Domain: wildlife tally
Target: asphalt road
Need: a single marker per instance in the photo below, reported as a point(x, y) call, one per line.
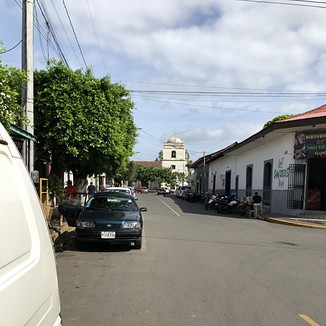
point(198, 268)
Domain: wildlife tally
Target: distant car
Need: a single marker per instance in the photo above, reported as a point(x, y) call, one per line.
point(188, 194)
point(163, 191)
point(108, 217)
point(141, 190)
point(126, 190)
point(180, 191)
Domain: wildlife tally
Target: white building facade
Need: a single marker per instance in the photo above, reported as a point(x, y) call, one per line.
point(285, 163)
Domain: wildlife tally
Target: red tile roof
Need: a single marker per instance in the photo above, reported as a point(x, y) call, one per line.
point(315, 113)
point(150, 163)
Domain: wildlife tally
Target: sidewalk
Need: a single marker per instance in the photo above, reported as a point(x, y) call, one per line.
point(315, 223)
point(60, 232)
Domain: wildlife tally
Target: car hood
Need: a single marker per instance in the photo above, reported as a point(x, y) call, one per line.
point(97, 215)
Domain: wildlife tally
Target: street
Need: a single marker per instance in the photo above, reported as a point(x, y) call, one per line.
point(197, 268)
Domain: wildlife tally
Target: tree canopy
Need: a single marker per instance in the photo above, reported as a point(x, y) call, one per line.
point(11, 81)
point(83, 124)
point(145, 174)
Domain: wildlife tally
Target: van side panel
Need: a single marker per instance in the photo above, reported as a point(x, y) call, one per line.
point(29, 292)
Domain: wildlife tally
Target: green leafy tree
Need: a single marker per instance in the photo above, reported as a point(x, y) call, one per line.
point(11, 81)
point(278, 118)
point(145, 174)
point(160, 156)
point(84, 124)
point(130, 174)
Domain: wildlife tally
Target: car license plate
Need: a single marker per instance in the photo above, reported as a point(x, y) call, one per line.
point(107, 235)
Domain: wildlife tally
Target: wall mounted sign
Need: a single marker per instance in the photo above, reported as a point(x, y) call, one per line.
point(309, 145)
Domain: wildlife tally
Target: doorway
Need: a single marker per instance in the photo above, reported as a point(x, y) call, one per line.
point(316, 193)
point(227, 183)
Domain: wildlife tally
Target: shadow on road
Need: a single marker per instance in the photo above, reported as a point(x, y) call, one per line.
point(197, 208)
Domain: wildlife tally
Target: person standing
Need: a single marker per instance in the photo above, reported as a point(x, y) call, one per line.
point(70, 190)
point(257, 205)
point(91, 189)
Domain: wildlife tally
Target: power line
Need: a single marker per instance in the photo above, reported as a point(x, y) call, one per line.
point(213, 107)
point(301, 3)
point(50, 27)
point(273, 94)
point(55, 6)
point(73, 29)
point(6, 51)
point(98, 43)
point(36, 20)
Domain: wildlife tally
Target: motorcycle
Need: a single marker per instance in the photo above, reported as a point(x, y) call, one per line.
point(211, 202)
point(228, 204)
point(245, 207)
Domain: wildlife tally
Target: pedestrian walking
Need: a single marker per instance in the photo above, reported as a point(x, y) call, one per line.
point(91, 189)
point(257, 205)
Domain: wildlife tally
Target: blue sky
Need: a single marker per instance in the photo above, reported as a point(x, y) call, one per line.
point(212, 71)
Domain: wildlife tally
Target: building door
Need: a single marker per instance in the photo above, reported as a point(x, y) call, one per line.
point(316, 192)
point(267, 187)
point(237, 185)
point(249, 180)
point(228, 183)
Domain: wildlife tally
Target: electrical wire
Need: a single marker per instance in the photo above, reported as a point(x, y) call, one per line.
point(98, 43)
point(6, 51)
point(74, 32)
point(291, 4)
point(72, 47)
point(45, 55)
point(229, 93)
point(51, 29)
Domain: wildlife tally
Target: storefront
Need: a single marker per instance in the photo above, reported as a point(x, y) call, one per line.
point(311, 146)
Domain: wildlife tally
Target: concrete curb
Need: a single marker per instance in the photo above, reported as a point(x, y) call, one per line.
point(294, 223)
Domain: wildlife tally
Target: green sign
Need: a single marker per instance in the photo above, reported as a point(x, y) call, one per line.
point(310, 145)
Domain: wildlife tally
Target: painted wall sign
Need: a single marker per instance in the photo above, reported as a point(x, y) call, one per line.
point(309, 145)
point(281, 173)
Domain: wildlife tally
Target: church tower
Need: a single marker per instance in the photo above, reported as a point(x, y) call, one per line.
point(174, 155)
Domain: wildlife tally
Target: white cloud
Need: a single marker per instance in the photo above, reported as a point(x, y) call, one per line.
point(204, 45)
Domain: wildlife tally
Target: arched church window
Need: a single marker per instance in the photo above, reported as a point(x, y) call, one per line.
point(173, 154)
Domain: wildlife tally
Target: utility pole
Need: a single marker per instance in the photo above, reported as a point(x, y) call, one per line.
point(27, 91)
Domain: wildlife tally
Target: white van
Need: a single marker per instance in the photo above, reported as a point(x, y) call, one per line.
point(29, 293)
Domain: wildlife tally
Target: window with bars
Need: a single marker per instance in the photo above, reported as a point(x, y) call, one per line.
point(296, 181)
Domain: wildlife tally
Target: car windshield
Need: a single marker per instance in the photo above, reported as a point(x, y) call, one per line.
point(111, 203)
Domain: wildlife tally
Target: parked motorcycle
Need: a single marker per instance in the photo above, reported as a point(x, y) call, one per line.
point(228, 204)
point(211, 202)
point(245, 206)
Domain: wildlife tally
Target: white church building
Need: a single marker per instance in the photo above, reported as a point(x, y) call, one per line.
point(174, 155)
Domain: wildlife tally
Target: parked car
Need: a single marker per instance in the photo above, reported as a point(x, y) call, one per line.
point(188, 194)
point(163, 191)
point(72, 205)
point(142, 190)
point(127, 190)
point(180, 191)
point(108, 217)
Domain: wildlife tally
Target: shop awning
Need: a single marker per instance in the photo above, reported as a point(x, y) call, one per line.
point(15, 131)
